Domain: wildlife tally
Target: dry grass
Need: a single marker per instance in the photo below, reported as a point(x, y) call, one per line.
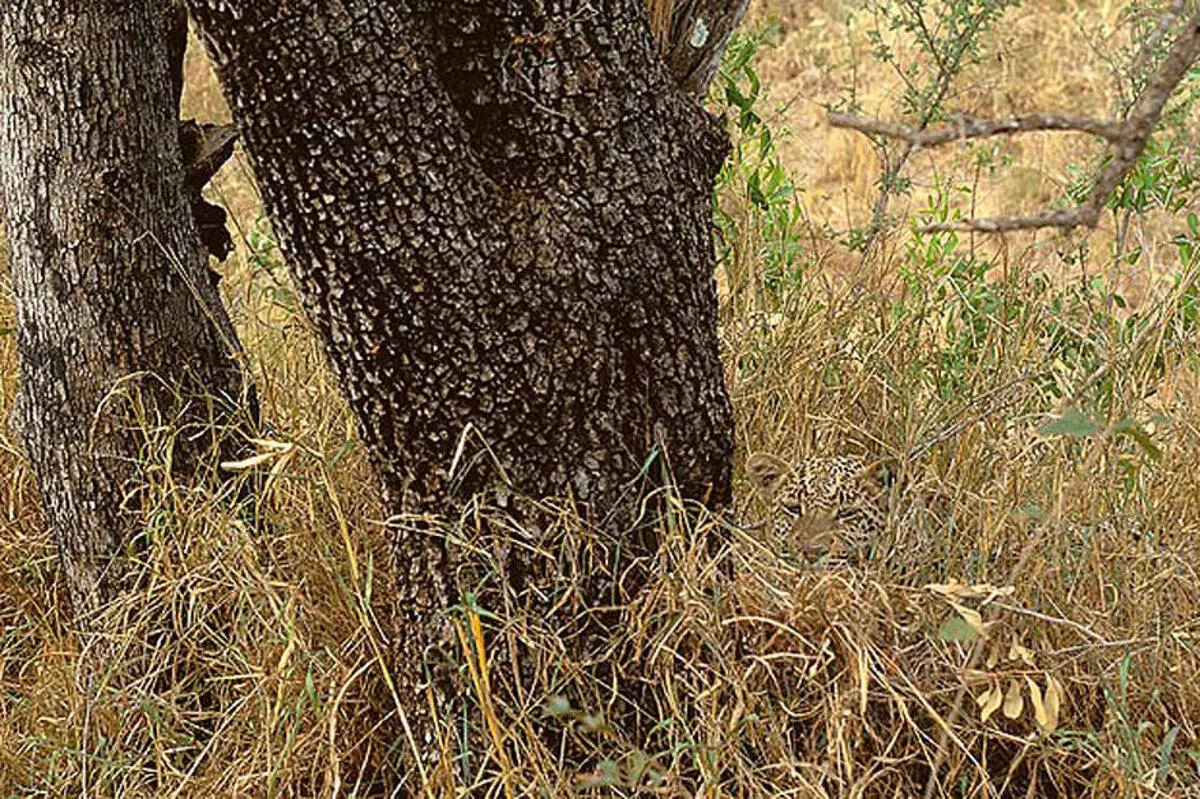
point(252, 663)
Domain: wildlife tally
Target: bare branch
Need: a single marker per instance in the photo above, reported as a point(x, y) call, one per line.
point(1074, 217)
point(965, 127)
point(1127, 137)
point(1082, 628)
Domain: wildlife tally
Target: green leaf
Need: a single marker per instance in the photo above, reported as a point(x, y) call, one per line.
point(595, 723)
point(1135, 431)
point(956, 628)
point(754, 189)
point(1034, 512)
point(610, 773)
point(342, 452)
point(558, 706)
point(734, 96)
point(1164, 756)
point(638, 764)
point(1073, 423)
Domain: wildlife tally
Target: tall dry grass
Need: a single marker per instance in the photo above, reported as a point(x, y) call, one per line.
point(253, 662)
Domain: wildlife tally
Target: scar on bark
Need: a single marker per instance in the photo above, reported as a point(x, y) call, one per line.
point(206, 146)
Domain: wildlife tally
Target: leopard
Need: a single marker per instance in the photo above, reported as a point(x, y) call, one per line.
point(832, 508)
point(834, 511)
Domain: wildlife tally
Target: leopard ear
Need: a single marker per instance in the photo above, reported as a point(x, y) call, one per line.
point(766, 472)
point(878, 477)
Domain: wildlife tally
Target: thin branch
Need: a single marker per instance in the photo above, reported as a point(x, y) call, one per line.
point(1084, 215)
point(946, 72)
point(965, 127)
point(1086, 631)
point(1127, 139)
point(1126, 151)
point(1165, 22)
point(1105, 644)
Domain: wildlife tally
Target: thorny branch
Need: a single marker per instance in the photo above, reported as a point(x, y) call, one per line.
point(1127, 137)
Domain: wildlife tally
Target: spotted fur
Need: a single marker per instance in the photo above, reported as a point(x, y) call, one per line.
point(825, 506)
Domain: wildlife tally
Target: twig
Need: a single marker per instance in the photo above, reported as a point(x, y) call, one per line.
point(1087, 631)
point(1104, 645)
point(965, 127)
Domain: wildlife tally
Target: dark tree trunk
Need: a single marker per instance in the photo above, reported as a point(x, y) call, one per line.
point(499, 217)
point(114, 304)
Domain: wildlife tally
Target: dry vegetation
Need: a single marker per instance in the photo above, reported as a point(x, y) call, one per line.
point(254, 662)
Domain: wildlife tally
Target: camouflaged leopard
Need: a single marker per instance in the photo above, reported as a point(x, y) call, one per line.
point(830, 506)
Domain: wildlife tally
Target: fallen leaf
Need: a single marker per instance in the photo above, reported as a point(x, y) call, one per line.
point(1018, 652)
point(1041, 715)
point(1013, 701)
point(1054, 697)
point(989, 702)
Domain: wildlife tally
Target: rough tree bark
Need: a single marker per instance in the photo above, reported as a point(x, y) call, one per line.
point(693, 35)
point(113, 299)
point(499, 218)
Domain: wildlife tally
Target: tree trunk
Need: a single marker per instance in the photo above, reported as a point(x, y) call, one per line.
point(116, 310)
point(499, 218)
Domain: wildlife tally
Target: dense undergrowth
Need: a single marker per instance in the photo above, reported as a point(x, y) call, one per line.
point(1027, 626)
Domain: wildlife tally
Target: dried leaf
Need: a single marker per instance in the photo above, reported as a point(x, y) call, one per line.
point(278, 446)
point(1041, 715)
point(989, 702)
point(1018, 652)
point(1054, 697)
point(993, 655)
point(1014, 703)
point(956, 590)
point(274, 449)
point(247, 463)
point(280, 465)
point(977, 677)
